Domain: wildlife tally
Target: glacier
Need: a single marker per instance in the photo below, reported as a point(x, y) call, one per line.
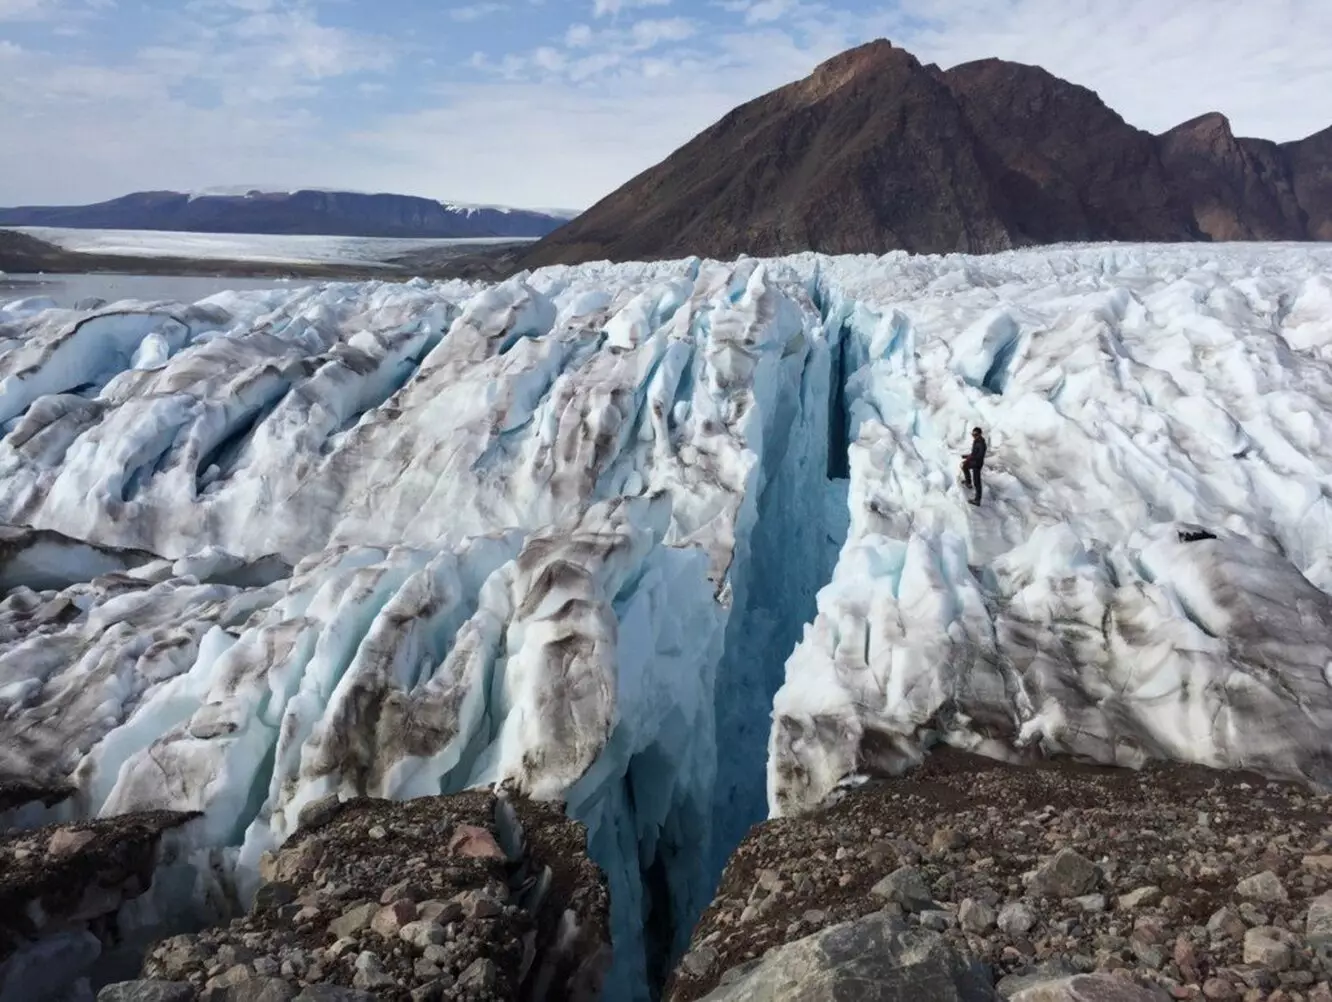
point(679, 545)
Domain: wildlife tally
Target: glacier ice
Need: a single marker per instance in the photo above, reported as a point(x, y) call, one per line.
point(1148, 576)
point(615, 535)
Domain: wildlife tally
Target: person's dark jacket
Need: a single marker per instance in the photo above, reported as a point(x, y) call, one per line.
point(977, 457)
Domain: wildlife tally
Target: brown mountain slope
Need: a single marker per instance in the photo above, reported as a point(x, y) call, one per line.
point(842, 161)
point(875, 152)
point(1063, 165)
point(1311, 167)
point(1240, 189)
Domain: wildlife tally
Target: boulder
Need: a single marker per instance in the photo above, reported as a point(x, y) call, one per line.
point(877, 958)
point(1066, 875)
point(1090, 988)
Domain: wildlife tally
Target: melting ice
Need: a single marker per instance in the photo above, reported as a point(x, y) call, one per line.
point(631, 537)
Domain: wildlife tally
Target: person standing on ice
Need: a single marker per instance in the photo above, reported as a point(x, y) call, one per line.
point(972, 463)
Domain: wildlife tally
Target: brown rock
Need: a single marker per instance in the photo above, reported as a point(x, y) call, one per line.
point(474, 843)
point(391, 918)
point(64, 842)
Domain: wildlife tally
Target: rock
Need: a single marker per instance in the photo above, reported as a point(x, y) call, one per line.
point(877, 957)
point(389, 919)
point(1264, 888)
point(1226, 922)
point(948, 840)
point(1149, 953)
point(147, 991)
point(1094, 903)
point(1066, 875)
point(699, 963)
point(319, 812)
point(370, 973)
point(1268, 947)
point(905, 886)
point(272, 896)
point(480, 975)
point(1318, 921)
point(173, 958)
point(475, 843)
point(1186, 959)
point(421, 934)
point(1043, 974)
point(233, 975)
point(353, 921)
point(66, 842)
point(1090, 988)
point(1219, 990)
point(442, 912)
point(333, 993)
point(976, 916)
point(1143, 897)
point(1016, 919)
point(939, 921)
point(261, 990)
point(403, 890)
point(1320, 865)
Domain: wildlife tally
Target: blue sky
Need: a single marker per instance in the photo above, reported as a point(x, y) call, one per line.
point(556, 102)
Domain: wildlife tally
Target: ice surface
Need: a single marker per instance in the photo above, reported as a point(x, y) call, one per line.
point(1134, 398)
point(564, 532)
point(264, 247)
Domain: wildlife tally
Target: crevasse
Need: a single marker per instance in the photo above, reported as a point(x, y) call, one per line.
point(621, 536)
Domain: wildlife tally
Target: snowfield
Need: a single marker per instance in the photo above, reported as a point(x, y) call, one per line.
point(258, 247)
point(633, 537)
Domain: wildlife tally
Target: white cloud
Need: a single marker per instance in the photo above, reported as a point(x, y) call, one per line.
point(602, 8)
point(476, 11)
point(23, 10)
point(1263, 64)
point(573, 115)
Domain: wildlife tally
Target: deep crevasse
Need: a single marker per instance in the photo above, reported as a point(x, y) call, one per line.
point(522, 516)
point(564, 533)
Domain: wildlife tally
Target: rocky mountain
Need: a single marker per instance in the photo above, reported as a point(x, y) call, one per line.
point(875, 151)
point(324, 213)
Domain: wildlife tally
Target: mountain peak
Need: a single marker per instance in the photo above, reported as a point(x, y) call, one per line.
point(1213, 123)
point(833, 74)
point(874, 152)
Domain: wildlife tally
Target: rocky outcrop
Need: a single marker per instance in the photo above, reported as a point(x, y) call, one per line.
point(878, 957)
point(1239, 189)
point(874, 152)
point(1061, 165)
point(462, 897)
point(331, 213)
point(1311, 170)
point(61, 888)
point(1067, 882)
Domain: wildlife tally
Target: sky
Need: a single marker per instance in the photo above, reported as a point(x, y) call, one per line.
point(555, 103)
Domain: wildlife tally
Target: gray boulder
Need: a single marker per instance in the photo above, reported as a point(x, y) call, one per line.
point(877, 958)
point(147, 991)
point(1090, 988)
point(1066, 875)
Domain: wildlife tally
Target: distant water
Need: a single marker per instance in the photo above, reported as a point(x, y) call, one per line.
point(69, 290)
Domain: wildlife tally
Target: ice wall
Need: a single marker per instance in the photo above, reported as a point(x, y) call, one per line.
point(1146, 575)
point(521, 517)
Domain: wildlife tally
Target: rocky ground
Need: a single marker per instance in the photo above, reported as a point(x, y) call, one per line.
point(61, 888)
point(462, 897)
point(1188, 883)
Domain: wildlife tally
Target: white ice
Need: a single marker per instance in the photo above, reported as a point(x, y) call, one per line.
point(259, 247)
point(564, 532)
point(1133, 398)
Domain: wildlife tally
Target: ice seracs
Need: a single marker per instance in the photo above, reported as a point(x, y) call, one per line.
point(564, 533)
point(1144, 577)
